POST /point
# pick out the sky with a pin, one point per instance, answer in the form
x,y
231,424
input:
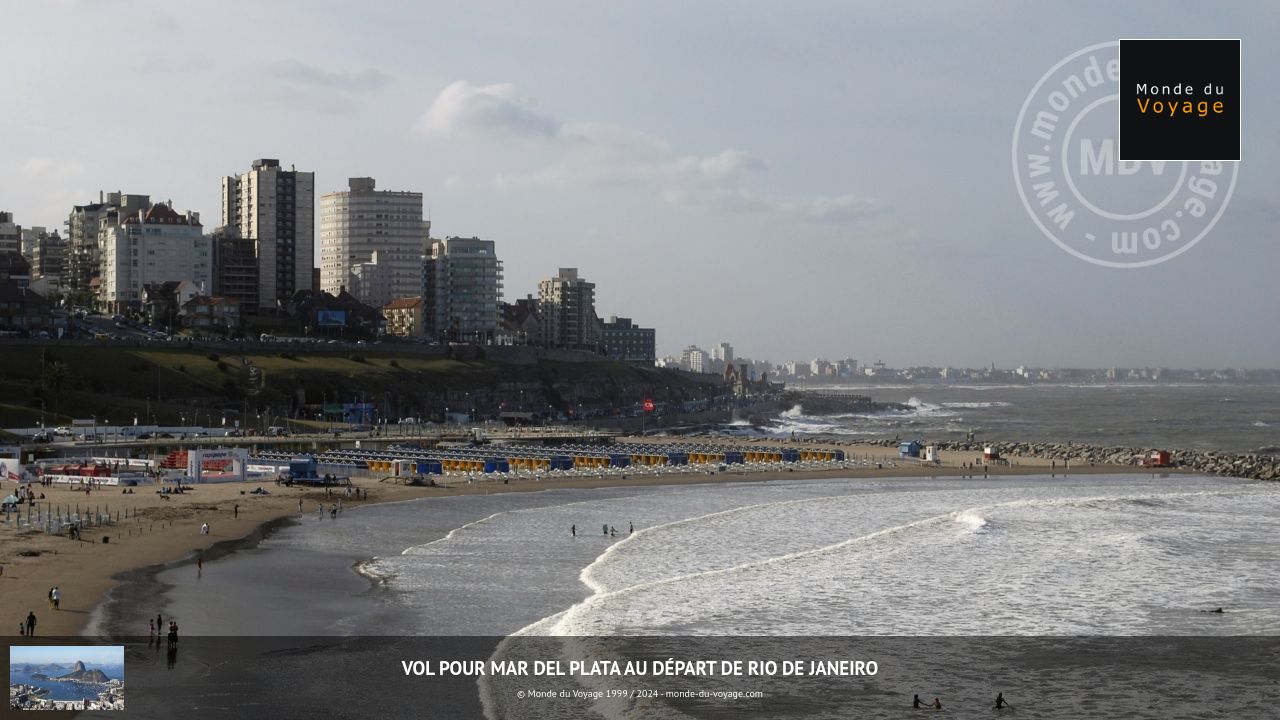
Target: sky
x,y
88,654
819,179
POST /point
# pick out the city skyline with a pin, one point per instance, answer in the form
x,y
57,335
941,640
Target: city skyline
x,y
775,172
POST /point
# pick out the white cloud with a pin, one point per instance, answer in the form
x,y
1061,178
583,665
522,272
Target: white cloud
x,y
588,155
463,108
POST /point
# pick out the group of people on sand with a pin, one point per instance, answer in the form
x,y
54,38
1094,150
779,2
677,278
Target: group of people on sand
x,y
157,627
918,704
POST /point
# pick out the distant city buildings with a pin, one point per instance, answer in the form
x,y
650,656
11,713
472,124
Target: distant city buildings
x,y
722,352
379,270
151,247
275,208
462,289
371,242
567,306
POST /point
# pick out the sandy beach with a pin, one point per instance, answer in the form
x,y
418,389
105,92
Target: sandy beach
x,y
156,531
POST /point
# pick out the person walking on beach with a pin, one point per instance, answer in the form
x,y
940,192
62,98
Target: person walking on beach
x,y
204,529
299,506
200,565
50,598
56,594
151,629
236,511
31,624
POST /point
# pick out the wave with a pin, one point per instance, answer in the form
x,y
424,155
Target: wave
x,y
573,620
795,412
974,521
1259,423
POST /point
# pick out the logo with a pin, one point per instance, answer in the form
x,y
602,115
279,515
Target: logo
x,y
1082,196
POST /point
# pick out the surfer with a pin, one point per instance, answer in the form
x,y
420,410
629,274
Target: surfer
x,y
1215,611
573,530
1000,703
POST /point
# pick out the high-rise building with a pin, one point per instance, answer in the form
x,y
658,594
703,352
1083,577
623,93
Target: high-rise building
x,y
10,233
622,339
362,227
567,304
235,268
722,352
85,227
462,283
152,247
276,209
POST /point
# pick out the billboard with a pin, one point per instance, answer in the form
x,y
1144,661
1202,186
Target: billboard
x,y
331,318
10,464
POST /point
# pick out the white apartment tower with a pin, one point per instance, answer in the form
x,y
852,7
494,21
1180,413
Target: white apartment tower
x,y
153,246
276,209
371,242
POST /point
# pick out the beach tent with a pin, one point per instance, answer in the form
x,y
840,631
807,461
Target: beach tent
x,y
11,500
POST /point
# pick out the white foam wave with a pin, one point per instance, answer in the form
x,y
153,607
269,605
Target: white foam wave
x,y
974,521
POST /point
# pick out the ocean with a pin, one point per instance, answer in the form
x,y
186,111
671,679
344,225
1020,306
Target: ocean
x,y
65,690
1227,417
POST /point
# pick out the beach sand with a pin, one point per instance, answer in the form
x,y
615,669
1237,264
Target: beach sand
x,y
159,531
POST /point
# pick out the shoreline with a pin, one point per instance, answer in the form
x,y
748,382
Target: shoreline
x,y
89,571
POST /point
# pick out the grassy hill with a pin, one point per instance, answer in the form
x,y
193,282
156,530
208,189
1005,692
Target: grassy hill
x,y
117,383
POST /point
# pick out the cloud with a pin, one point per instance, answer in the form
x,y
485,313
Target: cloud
x,y
589,155
463,108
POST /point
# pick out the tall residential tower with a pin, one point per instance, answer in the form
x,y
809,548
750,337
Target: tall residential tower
x,y
275,208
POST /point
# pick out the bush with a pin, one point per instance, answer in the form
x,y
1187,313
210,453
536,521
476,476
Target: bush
x,y
213,357
288,356
395,363
357,358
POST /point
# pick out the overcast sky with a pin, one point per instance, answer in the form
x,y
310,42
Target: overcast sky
x,y
799,179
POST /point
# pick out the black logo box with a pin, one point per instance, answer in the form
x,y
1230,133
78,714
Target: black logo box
x,y
1184,64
